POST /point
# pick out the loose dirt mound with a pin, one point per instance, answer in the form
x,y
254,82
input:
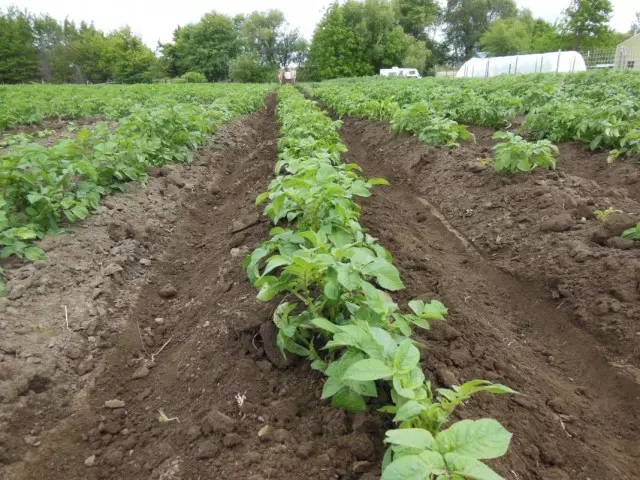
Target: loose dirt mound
x,y
516,265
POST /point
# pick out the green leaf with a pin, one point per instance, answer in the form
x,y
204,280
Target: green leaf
x,y
80,211
411,437
414,467
325,324
34,253
408,410
368,369
407,357
331,387
349,400
262,197
478,439
469,467
378,181
385,274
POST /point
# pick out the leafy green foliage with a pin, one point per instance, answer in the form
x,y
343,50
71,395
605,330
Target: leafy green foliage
x,y
44,186
516,154
429,127
632,233
336,309
194,77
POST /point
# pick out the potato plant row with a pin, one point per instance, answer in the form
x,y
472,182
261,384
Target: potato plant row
x,y
31,104
599,109
42,186
333,280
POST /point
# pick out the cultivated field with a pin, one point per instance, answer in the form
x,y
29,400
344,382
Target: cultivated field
x,y
450,266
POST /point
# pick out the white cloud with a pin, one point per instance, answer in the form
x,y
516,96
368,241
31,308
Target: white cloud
x,y
155,20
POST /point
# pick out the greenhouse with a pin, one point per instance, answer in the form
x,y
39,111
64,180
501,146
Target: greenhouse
x,y
534,63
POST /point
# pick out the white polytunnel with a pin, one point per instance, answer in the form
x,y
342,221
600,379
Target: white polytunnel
x,y
532,63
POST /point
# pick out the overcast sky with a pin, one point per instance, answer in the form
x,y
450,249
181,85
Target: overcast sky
x,y
155,20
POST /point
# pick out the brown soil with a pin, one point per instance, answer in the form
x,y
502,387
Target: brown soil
x,y
205,364
146,304
525,305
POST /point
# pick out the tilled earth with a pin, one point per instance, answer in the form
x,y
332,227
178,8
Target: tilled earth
x,y
134,350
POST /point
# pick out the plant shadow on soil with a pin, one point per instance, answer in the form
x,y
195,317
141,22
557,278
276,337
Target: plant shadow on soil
x,y
239,417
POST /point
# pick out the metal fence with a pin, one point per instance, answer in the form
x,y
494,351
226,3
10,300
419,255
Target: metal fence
x,y
622,57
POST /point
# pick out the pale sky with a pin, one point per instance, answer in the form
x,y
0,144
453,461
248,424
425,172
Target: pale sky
x,y
155,20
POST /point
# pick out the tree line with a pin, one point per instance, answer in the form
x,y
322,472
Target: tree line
x,y
353,38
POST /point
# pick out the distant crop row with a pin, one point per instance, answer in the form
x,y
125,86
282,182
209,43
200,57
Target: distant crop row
x,y
599,109
333,278
40,187
31,104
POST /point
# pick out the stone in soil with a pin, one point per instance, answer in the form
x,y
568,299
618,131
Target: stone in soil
x,y
114,404
216,421
90,461
168,291
141,372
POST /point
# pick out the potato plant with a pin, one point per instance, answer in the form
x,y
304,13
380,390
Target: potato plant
x,y
519,155
598,108
333,280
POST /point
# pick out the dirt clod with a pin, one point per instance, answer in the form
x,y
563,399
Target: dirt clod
x,y
168,291
557,223
140,372
269,334
216,421
114,404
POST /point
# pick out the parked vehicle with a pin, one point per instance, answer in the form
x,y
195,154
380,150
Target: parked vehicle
x,y
400,72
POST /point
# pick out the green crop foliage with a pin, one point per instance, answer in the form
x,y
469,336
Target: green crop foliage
x,y
429,127
518,155
632,233
41,187
333,280
601,109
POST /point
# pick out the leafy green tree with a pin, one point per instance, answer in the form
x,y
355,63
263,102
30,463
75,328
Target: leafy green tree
x,y
587,23
131,60
248,68
259,32
338,49
205,47
416,16
506,36
416,55
467,20
291,48
18,53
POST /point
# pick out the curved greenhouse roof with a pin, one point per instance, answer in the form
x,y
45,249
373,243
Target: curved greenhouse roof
x,y
533,63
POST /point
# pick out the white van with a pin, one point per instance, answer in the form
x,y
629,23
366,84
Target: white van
x,y
400,72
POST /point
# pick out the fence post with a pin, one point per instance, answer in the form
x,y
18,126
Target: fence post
x,y
541,62
509,69
515,70
558,62
486,72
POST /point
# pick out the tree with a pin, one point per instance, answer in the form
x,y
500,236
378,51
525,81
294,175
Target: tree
x,y
18,54
357,38
467,20
260,33
416,55
506,36
248,68
337,48
291,48
635,26
587,23
416,16
131,61
205,47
